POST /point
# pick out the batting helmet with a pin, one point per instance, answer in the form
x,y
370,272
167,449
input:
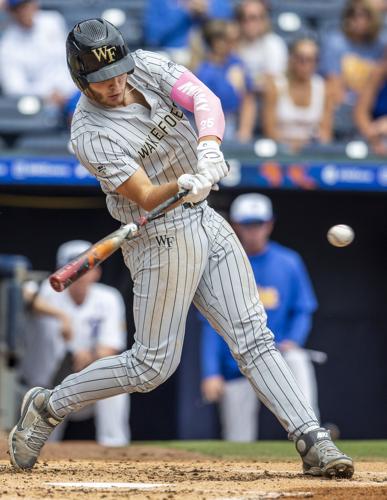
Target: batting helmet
x,y
96,51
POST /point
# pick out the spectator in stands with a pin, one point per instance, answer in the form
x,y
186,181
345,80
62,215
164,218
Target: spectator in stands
x,y
297,105
32,54
287,294
262,51
349,55
225,74
168,24
72,329
371,109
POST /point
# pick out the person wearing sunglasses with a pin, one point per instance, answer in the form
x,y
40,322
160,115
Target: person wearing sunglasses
x,y
262,51
297,105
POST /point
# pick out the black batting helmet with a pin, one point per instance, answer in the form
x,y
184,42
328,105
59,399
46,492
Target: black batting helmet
x,y
96,51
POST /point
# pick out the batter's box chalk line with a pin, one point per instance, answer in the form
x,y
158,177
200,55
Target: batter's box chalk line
x,y
108,486
266,495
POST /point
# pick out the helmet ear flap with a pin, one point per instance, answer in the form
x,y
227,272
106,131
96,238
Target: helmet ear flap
x,y
80,80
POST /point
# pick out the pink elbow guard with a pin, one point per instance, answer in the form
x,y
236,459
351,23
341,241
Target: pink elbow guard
x,y
190,93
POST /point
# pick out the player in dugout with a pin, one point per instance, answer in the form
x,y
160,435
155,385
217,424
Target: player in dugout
x,y
130,133
287,294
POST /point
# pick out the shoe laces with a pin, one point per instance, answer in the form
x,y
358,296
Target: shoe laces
x,y
39,434
327,448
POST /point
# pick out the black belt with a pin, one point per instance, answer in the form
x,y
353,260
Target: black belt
x,y
186,206
189,204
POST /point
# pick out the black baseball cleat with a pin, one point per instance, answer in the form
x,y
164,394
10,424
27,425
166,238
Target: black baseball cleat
x,y
33,428
321,457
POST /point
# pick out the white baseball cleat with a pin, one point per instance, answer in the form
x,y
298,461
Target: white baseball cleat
x,y
321,457
33,428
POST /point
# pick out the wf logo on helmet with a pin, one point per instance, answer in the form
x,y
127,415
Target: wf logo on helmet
x,y
106,53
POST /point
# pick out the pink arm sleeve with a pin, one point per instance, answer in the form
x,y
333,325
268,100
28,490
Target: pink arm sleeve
x,y
190,93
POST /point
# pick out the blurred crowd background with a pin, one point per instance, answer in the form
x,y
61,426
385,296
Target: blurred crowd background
x,y
306,77
300,73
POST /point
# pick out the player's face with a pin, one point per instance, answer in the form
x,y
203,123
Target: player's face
x,y
254,237
110,93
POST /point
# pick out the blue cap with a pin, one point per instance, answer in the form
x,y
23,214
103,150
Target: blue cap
x,y
15,3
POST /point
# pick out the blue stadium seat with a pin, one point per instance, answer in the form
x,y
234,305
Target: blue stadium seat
x,y
344,126
314,11
13,121
290,25
75,11
46,144
3,144
4,19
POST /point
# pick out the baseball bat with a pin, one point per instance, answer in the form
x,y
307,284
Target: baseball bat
x,y
100,251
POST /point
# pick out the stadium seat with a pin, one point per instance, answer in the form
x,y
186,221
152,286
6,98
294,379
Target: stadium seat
x,y
3,144
313,11
26,114
4,19
130,23
344,126
46,144
289,25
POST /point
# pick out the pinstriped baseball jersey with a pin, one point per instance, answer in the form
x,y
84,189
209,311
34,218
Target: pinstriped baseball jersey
x,y
189,255
113,143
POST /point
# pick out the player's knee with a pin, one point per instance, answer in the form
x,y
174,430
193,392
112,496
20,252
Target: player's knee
x,y
153,372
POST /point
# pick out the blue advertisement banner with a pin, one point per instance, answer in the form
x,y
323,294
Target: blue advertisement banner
x,y
44,172
308,176
332,175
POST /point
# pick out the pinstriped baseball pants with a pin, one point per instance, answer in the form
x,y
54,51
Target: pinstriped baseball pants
x,y
191,255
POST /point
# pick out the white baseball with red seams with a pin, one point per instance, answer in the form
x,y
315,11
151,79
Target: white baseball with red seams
x,y
340,235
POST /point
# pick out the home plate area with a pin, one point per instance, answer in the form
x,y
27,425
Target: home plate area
x,y
74,470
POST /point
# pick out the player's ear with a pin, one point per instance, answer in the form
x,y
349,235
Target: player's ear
x,y
270,227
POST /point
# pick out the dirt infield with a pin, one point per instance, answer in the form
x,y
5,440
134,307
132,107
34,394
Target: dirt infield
x,y
178,474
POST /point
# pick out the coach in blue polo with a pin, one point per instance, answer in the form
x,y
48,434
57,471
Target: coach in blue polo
x,y
287,294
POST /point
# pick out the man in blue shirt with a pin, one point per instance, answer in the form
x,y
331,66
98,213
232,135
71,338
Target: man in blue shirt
x,y
168,24
287,294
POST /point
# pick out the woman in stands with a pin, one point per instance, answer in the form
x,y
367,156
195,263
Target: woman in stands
x,y
348,55
371,109
297,105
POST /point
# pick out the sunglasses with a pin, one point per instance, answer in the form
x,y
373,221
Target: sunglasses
x,y
359,13
252,17
303,59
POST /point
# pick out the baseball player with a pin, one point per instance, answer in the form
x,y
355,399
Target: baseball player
x,y
130,132
95,315
287,295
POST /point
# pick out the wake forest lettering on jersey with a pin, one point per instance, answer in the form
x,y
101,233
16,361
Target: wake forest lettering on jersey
x,y
161,130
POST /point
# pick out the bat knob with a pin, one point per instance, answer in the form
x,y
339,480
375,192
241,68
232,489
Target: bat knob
x,y
56,284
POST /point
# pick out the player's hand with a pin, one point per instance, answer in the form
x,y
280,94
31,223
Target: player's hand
x,y
198,185
287,345
213,388
66,328
211,162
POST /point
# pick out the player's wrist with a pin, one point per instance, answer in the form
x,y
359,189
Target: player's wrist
x,y
206,138
209,144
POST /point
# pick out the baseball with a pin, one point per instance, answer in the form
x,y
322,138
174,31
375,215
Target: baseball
x,y
340,235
